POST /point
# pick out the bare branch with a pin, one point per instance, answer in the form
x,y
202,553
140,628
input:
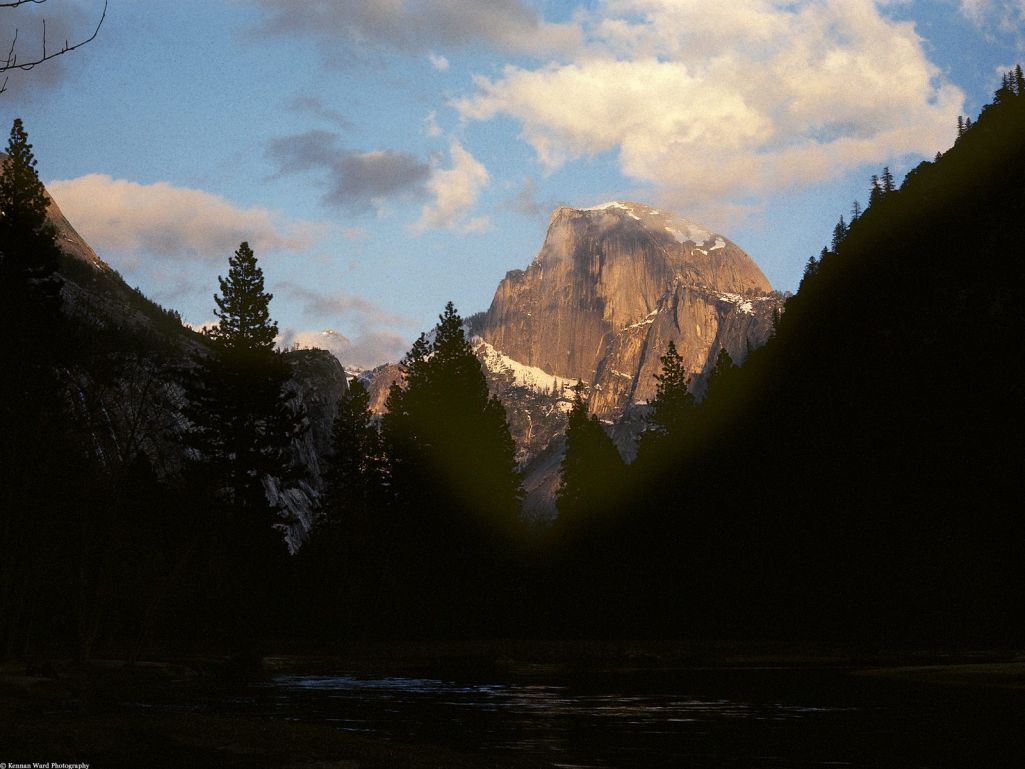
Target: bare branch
x,y
11,62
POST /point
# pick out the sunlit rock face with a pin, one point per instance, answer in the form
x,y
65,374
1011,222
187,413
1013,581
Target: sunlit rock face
x,y
612,286
607,292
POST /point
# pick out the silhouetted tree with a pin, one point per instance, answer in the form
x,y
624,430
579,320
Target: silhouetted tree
x,y
40,456
672,409
875,192
353,475
349,550
452,469
887,181
592,469
810,268
29,284
723,368
243,426
11,62
241,432
839,233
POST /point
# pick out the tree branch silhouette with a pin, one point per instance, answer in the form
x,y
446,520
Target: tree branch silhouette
x,y
11,61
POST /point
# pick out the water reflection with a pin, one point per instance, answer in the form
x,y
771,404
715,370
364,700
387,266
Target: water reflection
x,y
612,722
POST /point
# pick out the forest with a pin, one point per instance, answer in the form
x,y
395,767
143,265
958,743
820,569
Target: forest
x,y
858,477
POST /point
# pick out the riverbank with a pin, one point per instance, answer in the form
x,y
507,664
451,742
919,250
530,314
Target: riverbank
x,y
186,712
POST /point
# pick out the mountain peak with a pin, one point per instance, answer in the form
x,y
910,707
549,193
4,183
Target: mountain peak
x,y
612,285
616,211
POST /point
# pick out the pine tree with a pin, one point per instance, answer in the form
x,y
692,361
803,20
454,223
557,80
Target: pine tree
x,y
350,546
455,486
839,233
875,193
720,371
29,256
241,432
672,409
444,416
244,326
243,427
1006,89
1019,80
41,457
353,475
591,472
887,180
960,125
855,211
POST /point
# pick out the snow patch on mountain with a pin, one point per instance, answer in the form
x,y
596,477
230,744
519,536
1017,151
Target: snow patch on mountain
x,y
615,204
523,375
743,304
647,321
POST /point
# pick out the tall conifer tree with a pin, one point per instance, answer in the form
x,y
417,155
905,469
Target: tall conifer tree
x,y
887,181
241,433
29,255
592,470
40,458
672,410
875,192
839,233
242,424
452,470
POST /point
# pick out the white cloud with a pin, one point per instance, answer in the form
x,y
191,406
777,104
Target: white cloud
x,y
438,61
364,350
455,190
1005,16
431,127
167,221
372,335
720,105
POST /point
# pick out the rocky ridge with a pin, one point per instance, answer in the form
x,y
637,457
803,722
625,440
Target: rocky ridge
x,y
609,289
97,295
612,286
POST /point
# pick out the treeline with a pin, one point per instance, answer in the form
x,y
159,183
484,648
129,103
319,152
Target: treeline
x,y
143,476
132,472
856,478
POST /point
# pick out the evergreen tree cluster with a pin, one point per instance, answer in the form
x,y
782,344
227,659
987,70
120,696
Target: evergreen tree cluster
x,y
421,514
855,478
108,537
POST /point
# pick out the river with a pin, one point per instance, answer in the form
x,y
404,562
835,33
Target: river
x,y
653,719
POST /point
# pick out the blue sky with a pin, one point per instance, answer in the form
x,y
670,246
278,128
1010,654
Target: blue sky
x,y
385,157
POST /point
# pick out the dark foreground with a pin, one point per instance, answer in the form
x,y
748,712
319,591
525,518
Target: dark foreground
x,y
528,705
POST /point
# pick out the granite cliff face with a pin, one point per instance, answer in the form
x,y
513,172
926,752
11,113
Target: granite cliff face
x,y
612,286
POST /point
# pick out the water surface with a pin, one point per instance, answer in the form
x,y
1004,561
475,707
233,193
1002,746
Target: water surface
x,y
744,717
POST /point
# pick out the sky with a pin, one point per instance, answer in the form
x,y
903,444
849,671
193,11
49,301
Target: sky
x,y
384,157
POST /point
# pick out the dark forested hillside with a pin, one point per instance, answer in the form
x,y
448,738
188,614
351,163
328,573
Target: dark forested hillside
x,y
860,474
857,477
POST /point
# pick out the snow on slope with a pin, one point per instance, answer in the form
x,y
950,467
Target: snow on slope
x,y
530,377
